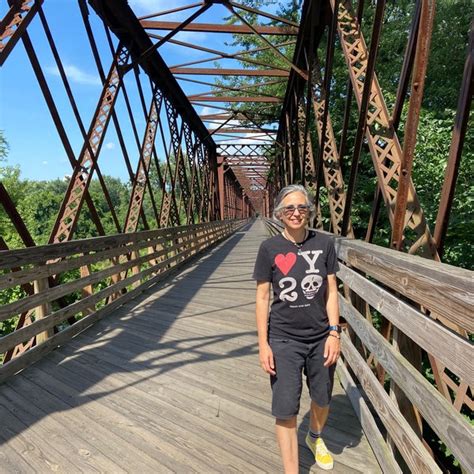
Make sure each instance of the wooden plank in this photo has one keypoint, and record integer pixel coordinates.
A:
(35, 354)
(114, 432)
(453, 351)
(50, 447)
(442, 288)
(56, 292)
(380, 448)
(46, 270)
(406, 440)
(42, 253)
(450, 426)
(220, 443)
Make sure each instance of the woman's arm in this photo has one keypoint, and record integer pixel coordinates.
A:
(332, 347)
(261, 311)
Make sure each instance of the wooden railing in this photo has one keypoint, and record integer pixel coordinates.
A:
(66, 287)
(407, 297)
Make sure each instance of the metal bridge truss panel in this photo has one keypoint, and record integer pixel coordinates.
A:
(386, 154)
(180, 165)
(139, 183)
(170, 204)
(383, 142)
(331, 161)
(308, 173)
(82, 174)
(194, 191)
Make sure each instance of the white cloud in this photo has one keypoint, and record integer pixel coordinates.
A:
(44, 162)
(74, 74)
(110, 145)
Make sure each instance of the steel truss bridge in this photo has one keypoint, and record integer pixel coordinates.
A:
(208, 165)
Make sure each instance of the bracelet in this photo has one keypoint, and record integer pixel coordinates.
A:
(333, 335)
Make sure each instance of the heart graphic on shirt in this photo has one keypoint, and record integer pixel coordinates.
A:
(285, 262)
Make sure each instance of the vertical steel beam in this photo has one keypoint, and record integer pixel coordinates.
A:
(397, 110)
(221, 186)
(381, 136)
(411, 127)
(457, 142)
(325, 95)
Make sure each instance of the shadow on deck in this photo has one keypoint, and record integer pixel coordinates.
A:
(170, 383)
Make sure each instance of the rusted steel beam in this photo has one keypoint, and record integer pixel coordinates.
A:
(457, 142)
(169, 206)
(231, 98)
(15, 217)
(325, 92)
(240, 55)
(264, 14)
(194, 189)
(363, 109)
(80, 124)
(348, 103)
(277, 52)
(82, 175)
(381, 136)
(397, 109)
(411, 126)
(243, 130)
(181, 26)
(173, 10)
(407, 66)
(85, 17)
(14, 24)
(136, 73)
(139, 183)
(58, 122)
(220, 87)
(229, 72)
(124, 24)
(216, 28)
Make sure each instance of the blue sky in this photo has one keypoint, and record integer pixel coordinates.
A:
(33, 140)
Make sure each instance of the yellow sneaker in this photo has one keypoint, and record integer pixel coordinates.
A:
(321, 454)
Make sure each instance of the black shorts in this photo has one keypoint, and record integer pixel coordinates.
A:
(292, 358)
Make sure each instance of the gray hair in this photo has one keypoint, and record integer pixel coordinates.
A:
(292, 188)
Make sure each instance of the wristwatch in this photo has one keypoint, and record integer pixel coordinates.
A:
(336, 328)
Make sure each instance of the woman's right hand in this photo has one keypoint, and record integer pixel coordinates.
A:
(266, 359)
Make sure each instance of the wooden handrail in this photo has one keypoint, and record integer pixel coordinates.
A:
(147, 256)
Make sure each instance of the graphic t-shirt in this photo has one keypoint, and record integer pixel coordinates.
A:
(299, 281)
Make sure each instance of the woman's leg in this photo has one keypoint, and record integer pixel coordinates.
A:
(288, 442)
(317, 417)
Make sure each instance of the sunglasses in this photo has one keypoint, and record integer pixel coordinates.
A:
(289, 210)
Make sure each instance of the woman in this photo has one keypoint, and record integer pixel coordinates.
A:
(302, 332)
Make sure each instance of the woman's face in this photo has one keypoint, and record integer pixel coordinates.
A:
(294, 218)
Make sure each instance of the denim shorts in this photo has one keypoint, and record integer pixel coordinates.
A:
(292, 359)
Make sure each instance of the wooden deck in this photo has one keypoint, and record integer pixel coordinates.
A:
(171, 384)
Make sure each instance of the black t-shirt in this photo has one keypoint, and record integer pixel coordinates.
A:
(299, 280)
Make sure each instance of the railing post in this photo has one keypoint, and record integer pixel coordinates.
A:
(43, 309)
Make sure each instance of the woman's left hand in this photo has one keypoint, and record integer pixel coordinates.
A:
(332, 349)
